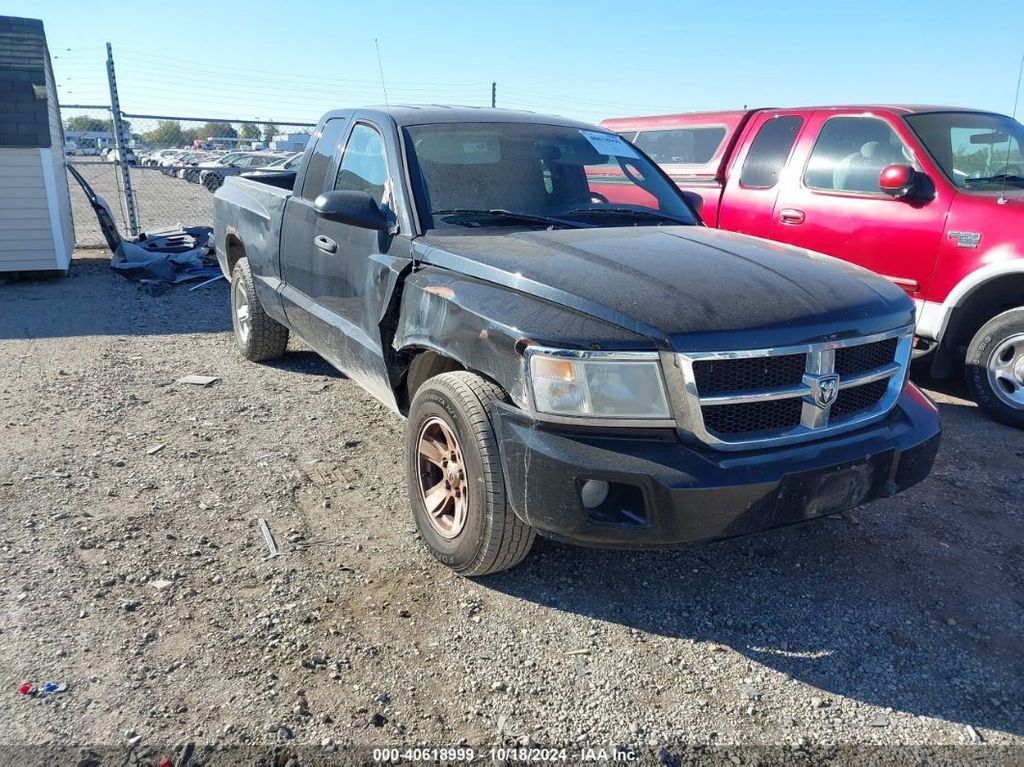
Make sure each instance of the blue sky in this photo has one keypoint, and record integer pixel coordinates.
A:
(293, 60)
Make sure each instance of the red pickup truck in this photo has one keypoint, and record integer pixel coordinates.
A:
(930, 197)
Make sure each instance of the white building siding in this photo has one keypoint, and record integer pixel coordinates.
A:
(26, 231)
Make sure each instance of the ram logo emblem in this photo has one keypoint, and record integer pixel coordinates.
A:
(825, 389)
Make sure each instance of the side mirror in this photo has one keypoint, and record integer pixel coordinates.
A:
(695, 200)
(352, 208)
(899, 181)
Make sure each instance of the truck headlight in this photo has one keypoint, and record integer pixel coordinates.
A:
(626, 386)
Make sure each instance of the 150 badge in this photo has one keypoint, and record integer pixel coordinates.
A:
(965, 239)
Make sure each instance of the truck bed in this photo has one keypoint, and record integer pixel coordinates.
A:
(251, 210)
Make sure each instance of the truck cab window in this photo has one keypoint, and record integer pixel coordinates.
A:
(769, 152)
(976, 150)
(681, 146)
(364, 166)
(321, 156)
(851, 152)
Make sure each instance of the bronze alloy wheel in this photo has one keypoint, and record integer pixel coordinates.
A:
(442, 478)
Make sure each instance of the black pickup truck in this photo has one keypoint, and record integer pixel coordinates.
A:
(576, 354)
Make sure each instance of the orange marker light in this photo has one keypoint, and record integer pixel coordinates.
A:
(559, 370)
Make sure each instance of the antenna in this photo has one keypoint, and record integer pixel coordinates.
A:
(1016, 97)
(383, 85)
(1009, 139)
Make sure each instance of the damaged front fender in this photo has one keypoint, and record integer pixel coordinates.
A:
(485, 327)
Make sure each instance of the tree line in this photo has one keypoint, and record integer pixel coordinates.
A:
(171, 133)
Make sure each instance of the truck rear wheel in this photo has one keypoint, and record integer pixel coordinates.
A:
(456, 486)
(995, 367)
(258, 335)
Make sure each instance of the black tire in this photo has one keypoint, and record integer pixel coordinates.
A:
(265, 338)
(1000, 338)
(492, 537)
(213, 181)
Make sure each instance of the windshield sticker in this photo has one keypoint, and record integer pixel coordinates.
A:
(609, 144)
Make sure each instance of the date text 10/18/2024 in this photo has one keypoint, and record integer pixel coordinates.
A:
(504, 754)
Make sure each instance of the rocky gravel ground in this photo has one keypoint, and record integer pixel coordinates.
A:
(133, 571)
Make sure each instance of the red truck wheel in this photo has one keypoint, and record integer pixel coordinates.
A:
(995, 367)
(455, 481)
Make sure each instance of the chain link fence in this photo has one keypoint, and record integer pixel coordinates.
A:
(175, 165)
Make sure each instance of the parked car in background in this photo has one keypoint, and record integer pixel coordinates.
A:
(930, 197)
(157, 156)
(110, 155)
(575, 353)
(213, 174)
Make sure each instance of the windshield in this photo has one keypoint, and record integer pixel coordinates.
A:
(975, 150)
(525, 174)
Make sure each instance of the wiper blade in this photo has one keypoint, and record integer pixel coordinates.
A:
(1006, 178)
(633, 212)
(511, 215)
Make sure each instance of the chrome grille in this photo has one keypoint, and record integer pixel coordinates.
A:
(857, 399)
(748, 417)
(853, 360)
(717, 376)
(743, 399)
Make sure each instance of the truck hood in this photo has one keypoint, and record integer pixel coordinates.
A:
(685, 288)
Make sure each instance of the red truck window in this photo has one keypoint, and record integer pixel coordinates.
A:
(681, 146)
(973, 149)
(851, 152)
(769, 152)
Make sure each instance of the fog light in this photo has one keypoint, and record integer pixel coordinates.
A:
(593, 493)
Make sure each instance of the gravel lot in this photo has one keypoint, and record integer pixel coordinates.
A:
(132, 569)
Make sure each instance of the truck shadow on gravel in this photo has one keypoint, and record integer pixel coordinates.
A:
(305, 362)
(93, 301)
(913, 603)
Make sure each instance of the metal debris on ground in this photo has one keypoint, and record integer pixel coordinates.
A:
(197, 380)
(269, 538)
(207, 282)
(155, 449)
(155, 261)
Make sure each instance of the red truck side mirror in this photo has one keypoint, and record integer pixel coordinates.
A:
(898, 181)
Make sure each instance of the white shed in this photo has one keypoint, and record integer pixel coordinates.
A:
(36, 229)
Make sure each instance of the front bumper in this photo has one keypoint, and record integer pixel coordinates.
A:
(667, 493)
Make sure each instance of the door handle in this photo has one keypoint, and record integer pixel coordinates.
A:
(791, 216)
(326, 244)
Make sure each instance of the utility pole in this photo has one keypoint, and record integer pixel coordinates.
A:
(494, 95)
(121, 146)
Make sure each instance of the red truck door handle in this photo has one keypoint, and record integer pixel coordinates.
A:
(326, 244)
(791, 216)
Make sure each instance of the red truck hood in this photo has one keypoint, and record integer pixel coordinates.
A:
(686, 288)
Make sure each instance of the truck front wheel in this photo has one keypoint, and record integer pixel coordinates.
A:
(995, 367)
(258, 335)
(456, 487)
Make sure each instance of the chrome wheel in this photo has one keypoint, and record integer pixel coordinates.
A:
(442, 478)
(243, 320)
(1006, 371)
